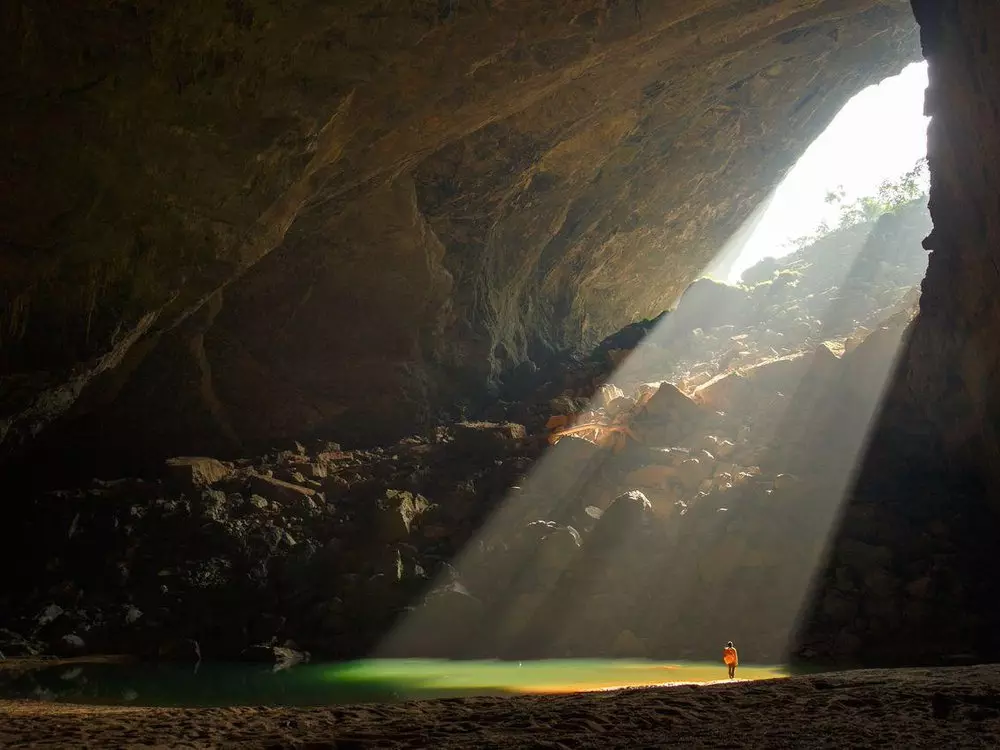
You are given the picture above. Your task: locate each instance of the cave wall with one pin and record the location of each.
(230, 223)
(909, 575)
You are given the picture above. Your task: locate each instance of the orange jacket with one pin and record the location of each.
(730, 657)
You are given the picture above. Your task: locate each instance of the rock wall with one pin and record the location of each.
(925, 501)
(224, 221)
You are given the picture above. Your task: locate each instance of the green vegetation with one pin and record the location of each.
(890, 196)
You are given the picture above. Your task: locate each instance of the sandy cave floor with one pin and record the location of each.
(949, 708)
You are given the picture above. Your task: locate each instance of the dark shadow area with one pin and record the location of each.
(908, 576)
(221, 684)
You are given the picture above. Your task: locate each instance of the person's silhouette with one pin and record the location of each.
(731, 658)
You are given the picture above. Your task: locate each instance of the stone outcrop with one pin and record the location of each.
(917, 539)
(230, 219)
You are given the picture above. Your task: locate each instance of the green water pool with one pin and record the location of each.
(214, 684)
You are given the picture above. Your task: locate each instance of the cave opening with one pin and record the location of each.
(732, 426)
(854, 170)
(695, 489)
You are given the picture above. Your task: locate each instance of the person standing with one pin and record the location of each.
(731, 658)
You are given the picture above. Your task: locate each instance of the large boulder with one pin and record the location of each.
(396, 513)
(486, 440)
(194, 472)
(279, 490)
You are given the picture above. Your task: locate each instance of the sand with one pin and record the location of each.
(949, 708)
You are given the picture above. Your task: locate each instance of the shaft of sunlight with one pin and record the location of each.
(742, 469)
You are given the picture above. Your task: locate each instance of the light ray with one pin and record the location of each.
(732, 558)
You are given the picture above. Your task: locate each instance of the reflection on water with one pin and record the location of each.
(354, 682)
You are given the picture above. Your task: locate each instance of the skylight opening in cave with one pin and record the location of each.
(878, 135)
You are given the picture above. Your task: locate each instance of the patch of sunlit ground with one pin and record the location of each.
(545, 676)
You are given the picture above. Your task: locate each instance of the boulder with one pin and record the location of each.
(396, 514)
(192, 472)
(278, 490)
(725, 392)
(606, 394)
(486, 439)
(692, 472)
(628, 514)
(444, 625)
(557, 545)
(277, 657)
(669, 404)
(651, 476)
(620, 405)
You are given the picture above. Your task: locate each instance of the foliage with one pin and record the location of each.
(890, 196)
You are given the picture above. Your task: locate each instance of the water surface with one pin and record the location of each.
(214, 684)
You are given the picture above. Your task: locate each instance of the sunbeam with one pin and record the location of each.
(690, 501)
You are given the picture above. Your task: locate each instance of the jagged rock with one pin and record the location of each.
(556, 546)
(651, 476)
(486, 439)
(709, 304)
(276, 489)
(724, 392)
(195, 472)
(669, 403)
(396, 514)
(278, 657)
(628, 515)
(441, 626)
(620, 405)
(692, 472)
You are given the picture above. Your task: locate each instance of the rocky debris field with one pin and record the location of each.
(706, 523)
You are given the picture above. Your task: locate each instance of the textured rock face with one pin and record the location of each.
(224, 224)
(926, 494)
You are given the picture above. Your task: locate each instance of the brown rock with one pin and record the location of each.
(692, 472)
(396, 513)
(606, 394)
(724, 392)
(651, 476)
(724, 449)
(487, 438)
(669, 403)
(276, 489)
(318, 471)
(196, 471)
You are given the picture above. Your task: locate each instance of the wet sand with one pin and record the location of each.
(948, 708)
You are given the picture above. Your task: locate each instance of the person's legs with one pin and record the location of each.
(732, 671)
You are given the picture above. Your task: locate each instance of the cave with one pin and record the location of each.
(244, 229)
